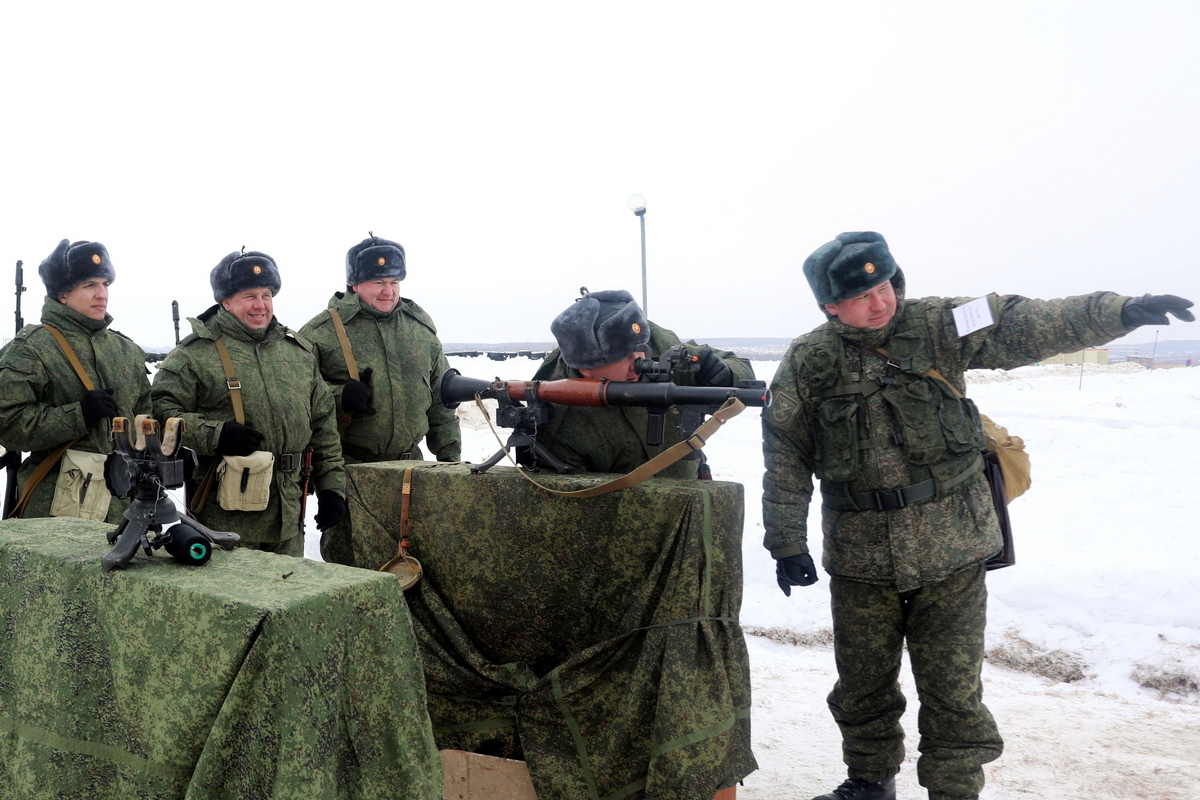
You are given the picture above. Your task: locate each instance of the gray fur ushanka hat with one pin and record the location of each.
(72, 263)
(848, 266)
(374, 258)
(600, 328)
(240, 271)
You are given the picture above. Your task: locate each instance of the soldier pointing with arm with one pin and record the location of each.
(908, 518)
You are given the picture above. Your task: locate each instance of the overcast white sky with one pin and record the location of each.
(1042, 148)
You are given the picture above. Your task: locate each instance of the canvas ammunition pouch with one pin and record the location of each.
(244, 482)
(935, 427)
(80, 490)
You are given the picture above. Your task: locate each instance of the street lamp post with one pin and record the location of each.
(637, 204)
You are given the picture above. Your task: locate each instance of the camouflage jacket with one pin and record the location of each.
(407, 362)
(284, 398)
(40, 393)
(614, 439)
(925, 541)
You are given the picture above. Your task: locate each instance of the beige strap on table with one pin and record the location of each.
(48, 463)
(351, 364)
(666, 458)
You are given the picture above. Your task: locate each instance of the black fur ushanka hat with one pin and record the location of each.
(848, 266)
(244, 270)
(374, 258)
(72, 263)
(600, 328)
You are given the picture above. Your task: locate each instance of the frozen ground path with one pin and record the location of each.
(1060, 740)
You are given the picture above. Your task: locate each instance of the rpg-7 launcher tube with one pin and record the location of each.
(598, 392)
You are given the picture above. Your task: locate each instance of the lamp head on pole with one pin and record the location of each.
(637, 204)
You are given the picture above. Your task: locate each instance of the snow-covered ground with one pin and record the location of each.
(1105, 595)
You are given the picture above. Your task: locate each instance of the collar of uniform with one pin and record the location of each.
(64, 318)
(226, 324)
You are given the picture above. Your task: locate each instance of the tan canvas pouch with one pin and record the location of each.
(244, 482)
(81, 473)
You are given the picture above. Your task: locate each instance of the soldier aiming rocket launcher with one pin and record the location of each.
(143, 468)
(655, 392)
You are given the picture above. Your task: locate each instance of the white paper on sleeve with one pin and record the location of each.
(973, 316)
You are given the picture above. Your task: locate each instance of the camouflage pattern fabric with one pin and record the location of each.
(614, 439)
(405, 354)
(253, 677)
(284, 398)
(927, 541)
(595, 638)
(40, 393)
(944, 623)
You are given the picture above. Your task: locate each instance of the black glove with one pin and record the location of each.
(713, 371)
(356, 395)
(330, 509)
(795, 571)
(96, 405)
(1152, 309)
(238, 439)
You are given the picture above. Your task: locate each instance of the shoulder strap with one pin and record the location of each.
(930, 373)
(48, 463)
(235, 386)
(70, 354)
(351, 365)
(344, 341)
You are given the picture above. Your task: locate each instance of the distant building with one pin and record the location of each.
(1093, 355)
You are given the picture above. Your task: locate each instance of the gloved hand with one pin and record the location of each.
(356, 395)
(713, 371)
(1152, 309)
(795, 571)
(238, 439)
(330, 509)
(96, 405)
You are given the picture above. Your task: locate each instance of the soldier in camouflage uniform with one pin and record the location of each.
(287, 405)
(908, 517)
(600, 336)
(43, 403)
(396, 401)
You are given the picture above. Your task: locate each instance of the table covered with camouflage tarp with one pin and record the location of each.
(595, 638)
(255, 676)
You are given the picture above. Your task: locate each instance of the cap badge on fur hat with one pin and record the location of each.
(257, 269)
(869, 267)
(382, 261)
(96, 259)
(636, 328)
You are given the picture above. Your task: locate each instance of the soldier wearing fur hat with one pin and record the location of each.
(909, 520)
(254, 401)
(45, 407)
(600, 335)
(386, 376)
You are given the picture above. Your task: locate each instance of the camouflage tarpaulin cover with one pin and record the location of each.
(256, 676)
(595, 638)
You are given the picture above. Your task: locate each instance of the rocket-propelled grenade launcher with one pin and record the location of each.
(654, 392)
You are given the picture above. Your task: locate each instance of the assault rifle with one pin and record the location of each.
(657, 393)
(11, 461)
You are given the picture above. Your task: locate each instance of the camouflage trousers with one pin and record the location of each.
(288, 547)
(942, 624)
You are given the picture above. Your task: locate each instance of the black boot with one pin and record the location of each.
(857, 789)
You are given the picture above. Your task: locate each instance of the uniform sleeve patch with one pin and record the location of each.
(783, 410)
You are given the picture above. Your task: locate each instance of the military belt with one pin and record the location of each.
(365, 455)
(840, 497)
(289, 462)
